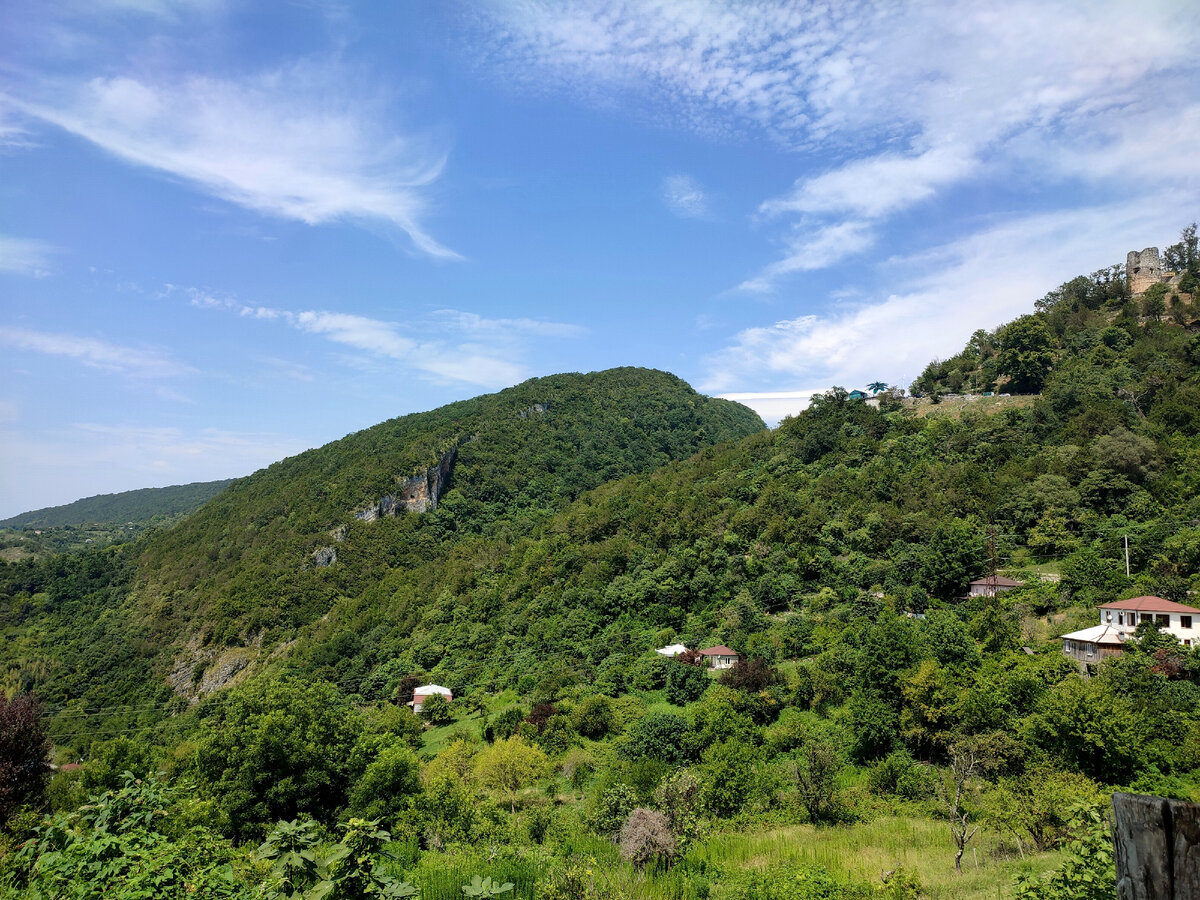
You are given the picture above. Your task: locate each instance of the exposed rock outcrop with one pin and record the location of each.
(536, 410)
(324, 556)
(1142, 269)
(417, 493)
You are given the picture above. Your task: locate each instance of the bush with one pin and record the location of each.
(657, 736)
(23, 750)
(593, 717)
(646, 837)
(613, 807)
(685, 684)
(388, 785)
(504, 724)
(752, 675)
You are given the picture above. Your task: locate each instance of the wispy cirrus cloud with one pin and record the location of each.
(135, 362)
(25, 256)
(302, 143)
(448, 344)
(942, 296)
(913, 99)
(684, 197)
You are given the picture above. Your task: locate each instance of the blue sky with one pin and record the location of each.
(227, 235)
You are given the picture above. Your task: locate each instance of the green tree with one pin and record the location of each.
(1026, 354)
(685, 684)
(1037, 804)
(510, 765)
(389, 785)
(275, 750)
(436, 710)
(815, 775)
(728, 776)
(23, 752)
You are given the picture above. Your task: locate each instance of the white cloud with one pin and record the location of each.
(25, 256)
(812, 250)
(775, 405)
(132, 361)
(878, 185)
(475, 324)
(684, 197)
(915, 99)
(447, 345)
(946, 294)
(296, 143)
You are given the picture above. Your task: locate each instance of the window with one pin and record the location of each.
(1108, 616)
(1162, 621)
(1091, 649)
(1185, 621)
(1120, 618)
(1147, 617)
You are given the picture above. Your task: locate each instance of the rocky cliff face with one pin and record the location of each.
(417, 493)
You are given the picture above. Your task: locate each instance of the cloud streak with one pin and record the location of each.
(684, 197)
(945, 294)
(131, 361)
(447, 345)
(916, 99)
(25, 256)
(295, 143)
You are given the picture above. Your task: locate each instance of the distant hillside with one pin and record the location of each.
(276, 549)
(127, 506)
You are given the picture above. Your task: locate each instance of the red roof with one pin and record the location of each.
(719, 650)
(1151, 604)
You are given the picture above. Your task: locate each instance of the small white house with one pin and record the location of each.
(1183, 622)
(425, 691)
(672, 650)
(720, 656)
(993, 585)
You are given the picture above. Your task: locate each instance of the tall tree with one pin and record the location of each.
(23, 752)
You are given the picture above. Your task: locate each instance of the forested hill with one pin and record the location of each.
(124, 507)
(278, 547)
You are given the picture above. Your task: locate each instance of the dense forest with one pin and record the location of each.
(228, 701)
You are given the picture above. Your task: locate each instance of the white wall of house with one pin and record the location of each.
(1184, 626)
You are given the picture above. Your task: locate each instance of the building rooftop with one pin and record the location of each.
(1151, 604)
(719, 650)
(432, 689)
(1097, 634)
(672, 650)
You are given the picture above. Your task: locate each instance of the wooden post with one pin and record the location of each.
(1156, 848)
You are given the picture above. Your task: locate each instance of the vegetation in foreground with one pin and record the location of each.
(882, 738)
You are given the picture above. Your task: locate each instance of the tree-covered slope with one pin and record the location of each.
(244, 563)
(843, 504)
(125, 507)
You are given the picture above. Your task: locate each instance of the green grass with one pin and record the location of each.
(862, 852)
(437, 739)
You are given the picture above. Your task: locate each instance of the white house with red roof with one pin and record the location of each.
(1119, 620)
(720, 656)
(993, 585)
(425, 691)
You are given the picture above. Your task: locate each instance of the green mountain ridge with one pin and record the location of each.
(125, 506)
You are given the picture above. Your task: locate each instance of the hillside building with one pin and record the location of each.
(1120, 619)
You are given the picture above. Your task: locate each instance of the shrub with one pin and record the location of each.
(613, 807)
(751, 675)
(23, 750)
(504, 724)
(646, 837)
(657, 736)
(685, 683)
(593, 717)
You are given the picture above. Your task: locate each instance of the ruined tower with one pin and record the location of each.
(1142, 269)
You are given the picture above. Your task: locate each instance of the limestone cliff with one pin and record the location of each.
(417, 493)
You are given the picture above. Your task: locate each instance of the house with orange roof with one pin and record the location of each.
(1120, 619)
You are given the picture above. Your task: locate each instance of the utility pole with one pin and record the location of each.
(1126, 556)
(991, 548)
